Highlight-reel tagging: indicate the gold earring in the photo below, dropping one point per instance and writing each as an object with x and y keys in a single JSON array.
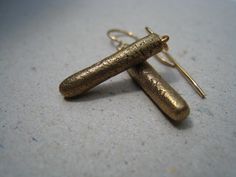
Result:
[
  {"x": 171, "y": 62},
  {"x": 159, "y": 91},
  {"x": 133, "y": 54},
  {"x": 133, "y": 59}
]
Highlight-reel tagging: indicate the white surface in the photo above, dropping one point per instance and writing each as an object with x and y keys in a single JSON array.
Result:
[{"x": 115, "y": 130}]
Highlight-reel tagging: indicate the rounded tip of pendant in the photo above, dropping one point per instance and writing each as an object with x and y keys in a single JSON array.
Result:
[
  {"x": 66, "y": 89},
  {"x": 180, "y": 113},
  {"x": 62, "y": 89}
]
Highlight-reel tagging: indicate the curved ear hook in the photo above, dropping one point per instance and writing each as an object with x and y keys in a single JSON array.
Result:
[
  {"x": 114, "y": 38},
  {"x": 186, "y": 75},
  {"x": 170, "y": 61}
]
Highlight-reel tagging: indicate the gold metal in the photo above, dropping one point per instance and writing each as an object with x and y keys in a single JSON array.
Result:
[
  {"x": 158, "y": 90},
  {"x": 114, "y": 38},
  {"x": 134, "y": 54},
  {"x": 172, "y": 63}
]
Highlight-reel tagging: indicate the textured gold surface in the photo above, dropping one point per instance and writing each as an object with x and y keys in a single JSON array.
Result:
[
  {"x": 134, "y": 54},
  {"x": 160, "y": 92}
]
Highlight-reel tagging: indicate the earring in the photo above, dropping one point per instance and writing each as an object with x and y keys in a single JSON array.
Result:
[
  {"x": 133, "y": 59},
  {"x": 133, "y": 54},
  {"x": 158, "y": 90}
]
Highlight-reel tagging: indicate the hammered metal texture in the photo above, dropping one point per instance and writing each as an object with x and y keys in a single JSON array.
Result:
[
  {"x": 134, "y": 54},
  {"x": 160, "y": 92}
]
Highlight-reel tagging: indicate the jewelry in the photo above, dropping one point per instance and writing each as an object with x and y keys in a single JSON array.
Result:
[
  {"x": 133, "y": 54},
  {"x": 158, "y": 90},
  {"x": 133, "y": 59}
]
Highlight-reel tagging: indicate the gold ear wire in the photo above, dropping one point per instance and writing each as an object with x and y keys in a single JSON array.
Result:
[
  {"x": 171, "y": 62},
  {"x": 185, "y": 74},
  {"x": 115, "y": 38}
]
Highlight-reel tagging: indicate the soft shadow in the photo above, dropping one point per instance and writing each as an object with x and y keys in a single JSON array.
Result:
[
  {"x": 107, "y": 90},
  {"x": 186, "y": 124}
]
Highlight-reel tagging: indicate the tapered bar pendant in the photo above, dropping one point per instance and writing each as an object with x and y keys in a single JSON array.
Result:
[
  {"x": 160, "y": 92},
  {"x": 134, "y": 54}
]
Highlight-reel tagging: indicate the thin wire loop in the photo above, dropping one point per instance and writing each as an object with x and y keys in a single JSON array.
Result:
[
  {"x": 169, "y": 61},
  {"x": 119, "y": 42}
]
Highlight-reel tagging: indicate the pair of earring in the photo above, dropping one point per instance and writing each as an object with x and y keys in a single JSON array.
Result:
[{"x": 132, "y": 57}]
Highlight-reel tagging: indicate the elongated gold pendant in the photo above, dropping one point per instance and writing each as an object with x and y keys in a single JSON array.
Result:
[
  {"x": 134, "y": 54},
  {"x": 159, "y": 91}
]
